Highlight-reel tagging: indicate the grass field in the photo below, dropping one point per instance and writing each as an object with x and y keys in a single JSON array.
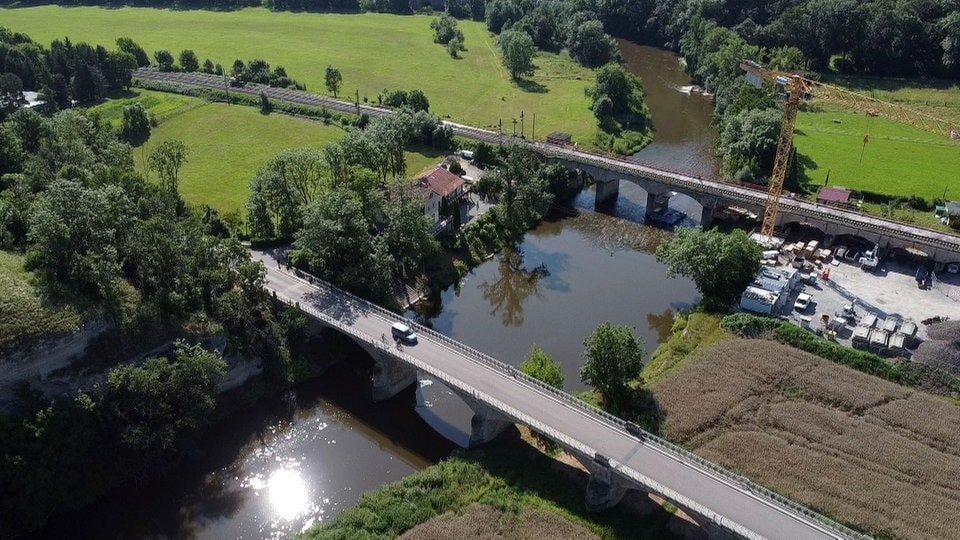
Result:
[
  {"x": 24, "y": 314},
  {"x": 159, "y": 105},
  {"x": 226, "y": 144},
  {"x": 880, "y": 456},
  {"x": 372, "y": 51},
  {"x": 899, "y": 159}
]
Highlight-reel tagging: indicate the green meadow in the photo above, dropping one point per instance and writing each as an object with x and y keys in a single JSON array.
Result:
[
  {"x": 227, "y": 143},
  {"x": 373, "y": 52},
  {"x": 897, "y": 159}
]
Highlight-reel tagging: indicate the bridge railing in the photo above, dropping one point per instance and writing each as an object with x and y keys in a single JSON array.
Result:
[
  {"x": 523, "y": 418},
  {"x": 664, "y": 445}
]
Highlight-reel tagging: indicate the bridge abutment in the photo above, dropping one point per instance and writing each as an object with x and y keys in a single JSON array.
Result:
[
  {"x": 390, "y": 375},
  {"x": 706, "y": 217}
]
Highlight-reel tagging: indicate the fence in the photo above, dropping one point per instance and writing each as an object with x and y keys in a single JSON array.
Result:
[{"x": 689, "y": 458}]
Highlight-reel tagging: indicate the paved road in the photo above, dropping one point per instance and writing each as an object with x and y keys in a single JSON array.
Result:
[
  {"x": 656, "y": 172},
  {"x": 647, "y": 462}
]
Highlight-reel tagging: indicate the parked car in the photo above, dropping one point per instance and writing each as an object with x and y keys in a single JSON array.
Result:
[
  {"x": 403, "y": 332},
  {"x": 803, "y": 301}
]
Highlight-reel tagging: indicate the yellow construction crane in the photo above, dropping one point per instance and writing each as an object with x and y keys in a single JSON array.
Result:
[{"x": 799, "y": 87}]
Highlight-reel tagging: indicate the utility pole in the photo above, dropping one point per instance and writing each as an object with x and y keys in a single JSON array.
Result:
[
  {"x": 500, "y": 129},
  {"x": 514, "y": 126},
  {"x": 521, "y": 125},
  {"x": 358, "y": 102},
  {"x": 534, "y": 136}
]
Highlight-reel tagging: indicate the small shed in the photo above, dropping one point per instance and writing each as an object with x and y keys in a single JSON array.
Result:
[
  {"x": 759, "y": 300},
  {"x": 557, "y": 137},
  {"x": 953, "y": 212},
  {"x": 834, "y": 195}
]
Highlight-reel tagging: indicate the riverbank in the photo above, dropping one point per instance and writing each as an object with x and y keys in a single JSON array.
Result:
[{"x": 509, "y": 489}]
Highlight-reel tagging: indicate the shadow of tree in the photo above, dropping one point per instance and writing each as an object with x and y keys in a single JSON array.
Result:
[{"x": 532, "y": 87}]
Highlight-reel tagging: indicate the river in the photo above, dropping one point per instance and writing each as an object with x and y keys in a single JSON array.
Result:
[
  {"x": 301, "y": 458},
  {"x": 683, "y": 136}
]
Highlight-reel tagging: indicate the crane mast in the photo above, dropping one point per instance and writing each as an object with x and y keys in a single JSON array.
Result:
[{"x": 782, "y": 161}]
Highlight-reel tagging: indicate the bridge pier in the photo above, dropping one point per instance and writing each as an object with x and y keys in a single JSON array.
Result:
[
  {"x": 487, "y": 423},
  {"x": 605, "y": 488},
  {"x": 607, "y": 190},
  {"x": 651, "y": 205},
  {"x": 390, "y": 376},
  {"x": 706, "y": 217}
]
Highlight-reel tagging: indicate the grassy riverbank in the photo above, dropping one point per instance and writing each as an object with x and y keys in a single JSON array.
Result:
[
  {"x": 26, "y": 314},
  {"x": 373, "y": 51},
  {"x": 508, "y": 489}
]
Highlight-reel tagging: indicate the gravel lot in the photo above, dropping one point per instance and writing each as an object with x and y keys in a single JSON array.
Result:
[{"x": 889, "y": 291}]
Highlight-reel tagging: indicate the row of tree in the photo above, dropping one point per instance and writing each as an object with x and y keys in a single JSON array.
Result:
[{"x": 64, "y": 73}]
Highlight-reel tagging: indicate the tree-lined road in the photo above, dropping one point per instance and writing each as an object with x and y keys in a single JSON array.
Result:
[{"x": 716, "y": 495}]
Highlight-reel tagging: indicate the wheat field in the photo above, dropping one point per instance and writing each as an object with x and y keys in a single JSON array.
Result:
[{"x": 878, "y": 456}]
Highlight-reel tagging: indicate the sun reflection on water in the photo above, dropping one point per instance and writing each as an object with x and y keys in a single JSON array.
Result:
[{"x": 288, "y": 494}]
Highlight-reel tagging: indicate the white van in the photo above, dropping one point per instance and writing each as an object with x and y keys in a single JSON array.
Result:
[{"x": 403, "y": 332}]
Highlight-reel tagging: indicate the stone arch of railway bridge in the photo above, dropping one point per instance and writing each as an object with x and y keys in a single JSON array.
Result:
[
  {"x": 883, "y": 235},
  {"x": 658, "y": 193},
  {"x": 835, "y": 234}
]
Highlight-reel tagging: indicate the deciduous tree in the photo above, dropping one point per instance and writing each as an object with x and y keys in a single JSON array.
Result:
[
  {"x": 518, "y": 51},
  {"x": 721, "y": 264},
  {"x": 539, "y": 365},
  {"x": 333, "y": 80},
  {"x": 614, "y": 358},
  {"x": 166, "y": 160}
]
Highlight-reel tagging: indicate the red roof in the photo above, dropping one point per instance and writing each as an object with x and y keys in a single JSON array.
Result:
[
  {"x": 440, "y": 181},
  {"x": 832, "y": 194}
]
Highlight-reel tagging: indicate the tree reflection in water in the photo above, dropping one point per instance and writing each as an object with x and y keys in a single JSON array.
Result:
[{"x": 514, "y": 285}]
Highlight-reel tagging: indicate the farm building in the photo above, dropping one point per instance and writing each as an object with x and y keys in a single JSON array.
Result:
[{"x": 834, "y": 195}]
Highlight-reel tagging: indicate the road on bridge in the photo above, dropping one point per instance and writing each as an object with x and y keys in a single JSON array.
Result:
[{"x": 762, "y": 517}]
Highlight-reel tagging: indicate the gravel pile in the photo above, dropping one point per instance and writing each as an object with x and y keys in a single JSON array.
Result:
[{"x": 943, "y": 348}]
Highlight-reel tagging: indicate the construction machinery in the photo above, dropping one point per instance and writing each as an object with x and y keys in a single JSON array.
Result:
[{"x": 798, "y": 88}]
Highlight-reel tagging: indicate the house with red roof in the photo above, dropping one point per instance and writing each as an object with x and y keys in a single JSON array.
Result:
[{"x": 440, "y": 187}]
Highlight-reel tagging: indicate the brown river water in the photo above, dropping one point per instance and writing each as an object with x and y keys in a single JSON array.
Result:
[{"x": 301, "y": 458}]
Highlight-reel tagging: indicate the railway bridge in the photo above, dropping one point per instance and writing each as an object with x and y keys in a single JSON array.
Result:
[{"x": 656, "y": 181}]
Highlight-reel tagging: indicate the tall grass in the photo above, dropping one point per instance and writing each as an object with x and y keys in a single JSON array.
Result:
[
  {"x": 25, "y": 313},
  {"x": 876, "y": 455}
]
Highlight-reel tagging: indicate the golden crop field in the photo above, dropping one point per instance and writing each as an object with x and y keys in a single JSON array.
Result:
[{"x": 870, "y": 453}]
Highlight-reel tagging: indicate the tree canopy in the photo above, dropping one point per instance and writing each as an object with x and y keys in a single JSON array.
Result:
[
  {"x": 517, "y": 51},
  {"x": 614, "y": 358},
  {"x": 539, "y": 365},
  {"x": 721, "y": 264},
  {"x": 333, "y": 80}
]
